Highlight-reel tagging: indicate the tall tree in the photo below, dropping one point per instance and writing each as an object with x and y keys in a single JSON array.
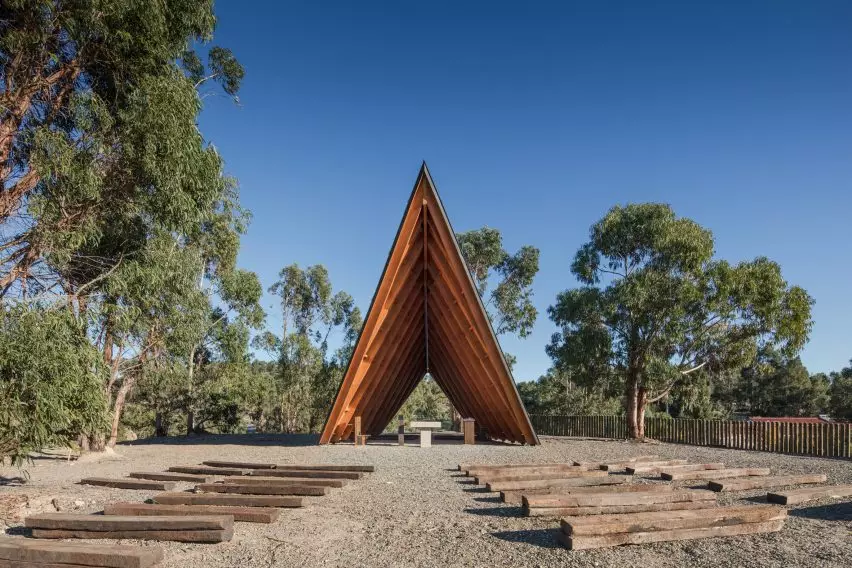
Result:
[
  {"x": 778, "y": 386},
  {"x": 840, "y": 393},
  {"x": 98, "y": 132},
  {"x": 309, "y": 375},
  {"x": 656, "y": 307},
  {"x": 504, "y": 280}
]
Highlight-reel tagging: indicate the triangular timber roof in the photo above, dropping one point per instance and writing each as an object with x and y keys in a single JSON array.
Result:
[{"x": 427, "y": 316}]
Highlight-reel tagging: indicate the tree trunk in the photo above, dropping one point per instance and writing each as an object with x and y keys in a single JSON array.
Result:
[
  {"x": 641, "y": 404},
  {"x": 190, "y": 422},
  {"x": 159, "y": 429},
  {"x": 120, "y": 398},
  {"x": 635, "y": 422}
]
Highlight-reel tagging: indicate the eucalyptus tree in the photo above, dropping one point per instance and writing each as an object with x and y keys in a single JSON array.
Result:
[
  {"x": 98, "y": 130},
  {"x": 309, "y": 375},
  {"x": 655, "y": 308},
  {"x": 840, "y": 393},
  {"x": 504, "y": 280}
]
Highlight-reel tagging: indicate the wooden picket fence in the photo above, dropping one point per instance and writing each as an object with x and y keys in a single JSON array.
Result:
[{"x": 832, "y": 440}]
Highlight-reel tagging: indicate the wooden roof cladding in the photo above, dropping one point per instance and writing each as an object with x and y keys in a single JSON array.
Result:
[{"x": 427, "y": 316}]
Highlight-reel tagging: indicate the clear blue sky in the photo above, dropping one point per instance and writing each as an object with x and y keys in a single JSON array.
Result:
[{"x": 537, "y": 117}]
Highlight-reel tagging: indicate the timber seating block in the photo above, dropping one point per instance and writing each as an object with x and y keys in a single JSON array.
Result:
[
  {"x": 653, "y": 467},
  {"x": 28, "y": 552},
  {"x": 474, "y": 471},
  {"x": 315, "y": 473},
  {"x": 805, "y": 494},
  {"x": 291, "y": 489},
  {"x": 696, "y": 466},
  {"x": 200, "y": 528},
  {"x": 206, "y": 470},
  {"x": 239, "y": 465},
  {"x": 328, "y": 467},
  {"x": 680, "y": 475},
  {"x": 255, "y": 480},
  {"x": 183, "y": 498},
  {"x": 501, "y": 483},
  {"x": 619, "y": 465},
  {"x": 242, "y": 514},
  {"x": 762, "y": 482},
  {"x": 516, "y": 497},
  {"x": 579, "y": 533},
  {"x": 524, "y": 475},
  {"x": 600, "y": 503},
  {"x": 170, "y": 476},
  {"x": 129, "y": 483},
  {"x": 560, "y": 483}
]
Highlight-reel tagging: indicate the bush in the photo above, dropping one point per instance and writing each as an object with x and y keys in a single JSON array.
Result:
[{"x": 51, "y": 381}]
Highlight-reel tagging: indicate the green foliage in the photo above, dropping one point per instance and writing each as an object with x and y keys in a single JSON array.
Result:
[
  {"x": 655, "y": 307},
  {"x": 427, "y": 402},
  {"x": 308, "y": 376},
  {"x": 556, "y": 394},
  {"x": 51, "y": 381},
  {"x": 776, "y": 386},
  {"x": 840, "y": 393},
  {"x": 509, "y": 303}
]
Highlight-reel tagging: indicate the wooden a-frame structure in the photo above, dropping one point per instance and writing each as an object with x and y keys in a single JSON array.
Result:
[{"x": 427, "y": 317}]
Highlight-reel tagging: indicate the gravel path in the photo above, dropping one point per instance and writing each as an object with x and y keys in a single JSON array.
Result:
[{"x": 416, "y": 510}]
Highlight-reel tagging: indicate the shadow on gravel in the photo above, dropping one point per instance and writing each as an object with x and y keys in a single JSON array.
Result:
[
  {"x": 833, "y": 512},
  {"x": 756, "y": 499},
  {"x": 496, "y": 512},
  {"x": 487, "y": 499},
  {"x": 12, "y": 481},
  {"x": 476, "y": 490},
  {"x": 463, "y": 481},
  {"x": 545, "y": 538}
]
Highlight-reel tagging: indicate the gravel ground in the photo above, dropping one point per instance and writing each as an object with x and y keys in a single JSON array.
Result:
[{"x": 416, "y": 510}]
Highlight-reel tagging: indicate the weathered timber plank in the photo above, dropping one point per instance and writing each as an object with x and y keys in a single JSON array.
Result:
[
  {"x": 587, "y": 542},
  {"x": 328, "y": 467},
  {"x": 206, "y": 470},
  {"x": 25, "y": 564},
  {"x": 715, "y": 473},
  {"x": 805, "y": 494},
  {"x": 175, "y": 536},
  {"x": 762, "y": 482},
  {"x": 143, "y": 484},
  {"x": 613, "y": 498},
  {"x": 254, "y": 480},
  {"x": 564, "y": 474},
  {"x": 670, "y": 520},
  {"x": 307, "y": 490},
  {"x": 620, "y": 465},
  {"x": 652, "y": 467},
  {"x": 557, "y": 512},
  {"x": 71, "y": 521},
  {"x": 696, "y": 466},
  {"x": 77, "y": 553},
  {"x": 181, "y": 498},
  {"x": 313, "y": 473},
  {"x": 239, "y": 465},
  {"x": 516, "y": 497},
  {"x": 597, "y": 465},
  {"x": 518, "y": 469},
  {"x": 559, "y": 483},
  {"x": 242, "y": 514},
  {"x": 169, "y": 476},
  {"x": 361, "y": 468}
]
